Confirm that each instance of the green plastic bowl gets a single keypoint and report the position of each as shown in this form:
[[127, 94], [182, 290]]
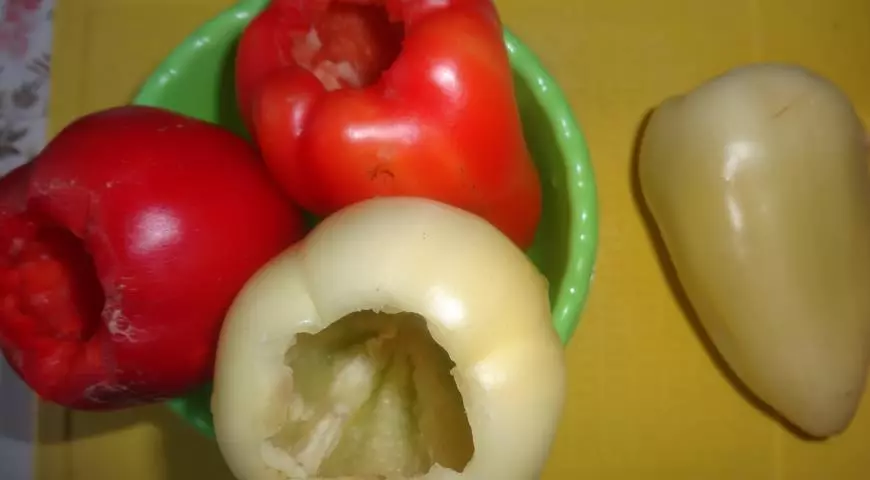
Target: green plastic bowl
[[197, 79]]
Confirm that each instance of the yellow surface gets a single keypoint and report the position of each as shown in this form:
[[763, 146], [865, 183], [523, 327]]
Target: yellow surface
[[645, 400]]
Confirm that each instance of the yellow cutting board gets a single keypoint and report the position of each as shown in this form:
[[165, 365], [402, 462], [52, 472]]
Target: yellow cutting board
[[644, 400]]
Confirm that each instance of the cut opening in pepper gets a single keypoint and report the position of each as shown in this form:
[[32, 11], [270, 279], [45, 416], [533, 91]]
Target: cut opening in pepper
[[349, 44], [373, 395], [50, 285]]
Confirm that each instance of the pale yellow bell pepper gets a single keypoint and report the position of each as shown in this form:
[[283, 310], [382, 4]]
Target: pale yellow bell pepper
[[402, 338], [758, 183]]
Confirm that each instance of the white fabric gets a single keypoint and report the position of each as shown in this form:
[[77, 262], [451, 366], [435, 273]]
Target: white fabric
[[25, 56]]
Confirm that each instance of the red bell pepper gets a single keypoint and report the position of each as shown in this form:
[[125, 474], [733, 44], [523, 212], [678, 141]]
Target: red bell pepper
[[121, 247], [353, 99]]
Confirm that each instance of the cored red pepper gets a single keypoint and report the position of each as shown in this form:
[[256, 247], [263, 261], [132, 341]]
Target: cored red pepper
[[121, 247], [352, 99]]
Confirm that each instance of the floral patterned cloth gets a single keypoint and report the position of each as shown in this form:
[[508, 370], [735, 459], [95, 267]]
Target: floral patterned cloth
[[25, 55], [25, 59]]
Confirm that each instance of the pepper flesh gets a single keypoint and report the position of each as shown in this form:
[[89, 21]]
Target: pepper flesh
[[483, 302], [758, 183], [123, 243], [350, 100]]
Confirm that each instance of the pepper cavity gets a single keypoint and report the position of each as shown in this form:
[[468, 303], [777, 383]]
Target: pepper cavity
[[373, 396], [49, 280], [348, 45]]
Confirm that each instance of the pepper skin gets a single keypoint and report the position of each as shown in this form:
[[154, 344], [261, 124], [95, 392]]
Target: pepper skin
[[350, 100], [757, 180], [123, 243]]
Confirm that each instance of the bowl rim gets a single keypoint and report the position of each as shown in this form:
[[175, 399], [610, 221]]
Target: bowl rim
[[582, 189], [582, 193]]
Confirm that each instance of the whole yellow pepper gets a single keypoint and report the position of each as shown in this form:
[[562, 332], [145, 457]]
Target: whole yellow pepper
[[758, 183]]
